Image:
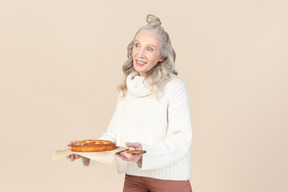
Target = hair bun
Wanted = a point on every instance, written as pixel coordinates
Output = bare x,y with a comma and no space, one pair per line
153,20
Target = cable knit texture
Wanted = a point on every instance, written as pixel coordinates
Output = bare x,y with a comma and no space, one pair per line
162,125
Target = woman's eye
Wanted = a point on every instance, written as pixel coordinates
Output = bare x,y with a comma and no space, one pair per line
136,45
150,49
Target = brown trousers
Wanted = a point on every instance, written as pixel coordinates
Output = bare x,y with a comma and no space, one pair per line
146,184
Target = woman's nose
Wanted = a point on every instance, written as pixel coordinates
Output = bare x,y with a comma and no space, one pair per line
141,53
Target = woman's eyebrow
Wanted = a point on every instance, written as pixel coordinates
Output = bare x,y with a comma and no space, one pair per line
145,44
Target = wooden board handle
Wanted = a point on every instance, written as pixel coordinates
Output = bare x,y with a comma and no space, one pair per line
134,152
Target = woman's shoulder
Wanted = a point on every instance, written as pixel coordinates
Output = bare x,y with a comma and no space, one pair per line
175,82
175,91
173,86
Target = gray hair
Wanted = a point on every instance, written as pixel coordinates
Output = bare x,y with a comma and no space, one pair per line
162,70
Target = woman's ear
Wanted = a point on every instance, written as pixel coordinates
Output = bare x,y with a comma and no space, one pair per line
161,59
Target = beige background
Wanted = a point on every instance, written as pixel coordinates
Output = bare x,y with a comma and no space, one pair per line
60,62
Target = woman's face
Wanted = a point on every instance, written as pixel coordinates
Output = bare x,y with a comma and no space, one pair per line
146,51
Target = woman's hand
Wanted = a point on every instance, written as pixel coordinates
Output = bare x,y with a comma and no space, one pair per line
72,157
130,157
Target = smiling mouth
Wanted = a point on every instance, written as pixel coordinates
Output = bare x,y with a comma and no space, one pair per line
141,63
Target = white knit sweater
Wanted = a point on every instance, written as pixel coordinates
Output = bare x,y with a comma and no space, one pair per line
162,126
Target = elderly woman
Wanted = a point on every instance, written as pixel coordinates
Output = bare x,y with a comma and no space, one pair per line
152,114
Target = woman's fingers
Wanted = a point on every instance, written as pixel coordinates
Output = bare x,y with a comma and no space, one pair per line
77,156
73,157
71,142
70,157
135,145
129,157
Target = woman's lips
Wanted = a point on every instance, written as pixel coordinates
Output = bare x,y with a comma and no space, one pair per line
140,63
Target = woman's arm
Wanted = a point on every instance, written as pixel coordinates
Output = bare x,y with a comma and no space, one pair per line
111,133
179,136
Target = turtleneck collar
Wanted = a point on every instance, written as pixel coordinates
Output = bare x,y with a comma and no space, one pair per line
136,85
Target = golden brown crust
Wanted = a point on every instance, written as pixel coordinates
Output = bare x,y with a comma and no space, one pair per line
93,146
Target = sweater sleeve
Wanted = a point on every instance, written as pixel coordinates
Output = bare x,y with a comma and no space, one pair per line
179,134
111,133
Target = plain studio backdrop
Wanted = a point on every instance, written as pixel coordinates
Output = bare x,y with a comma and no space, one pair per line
60,63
